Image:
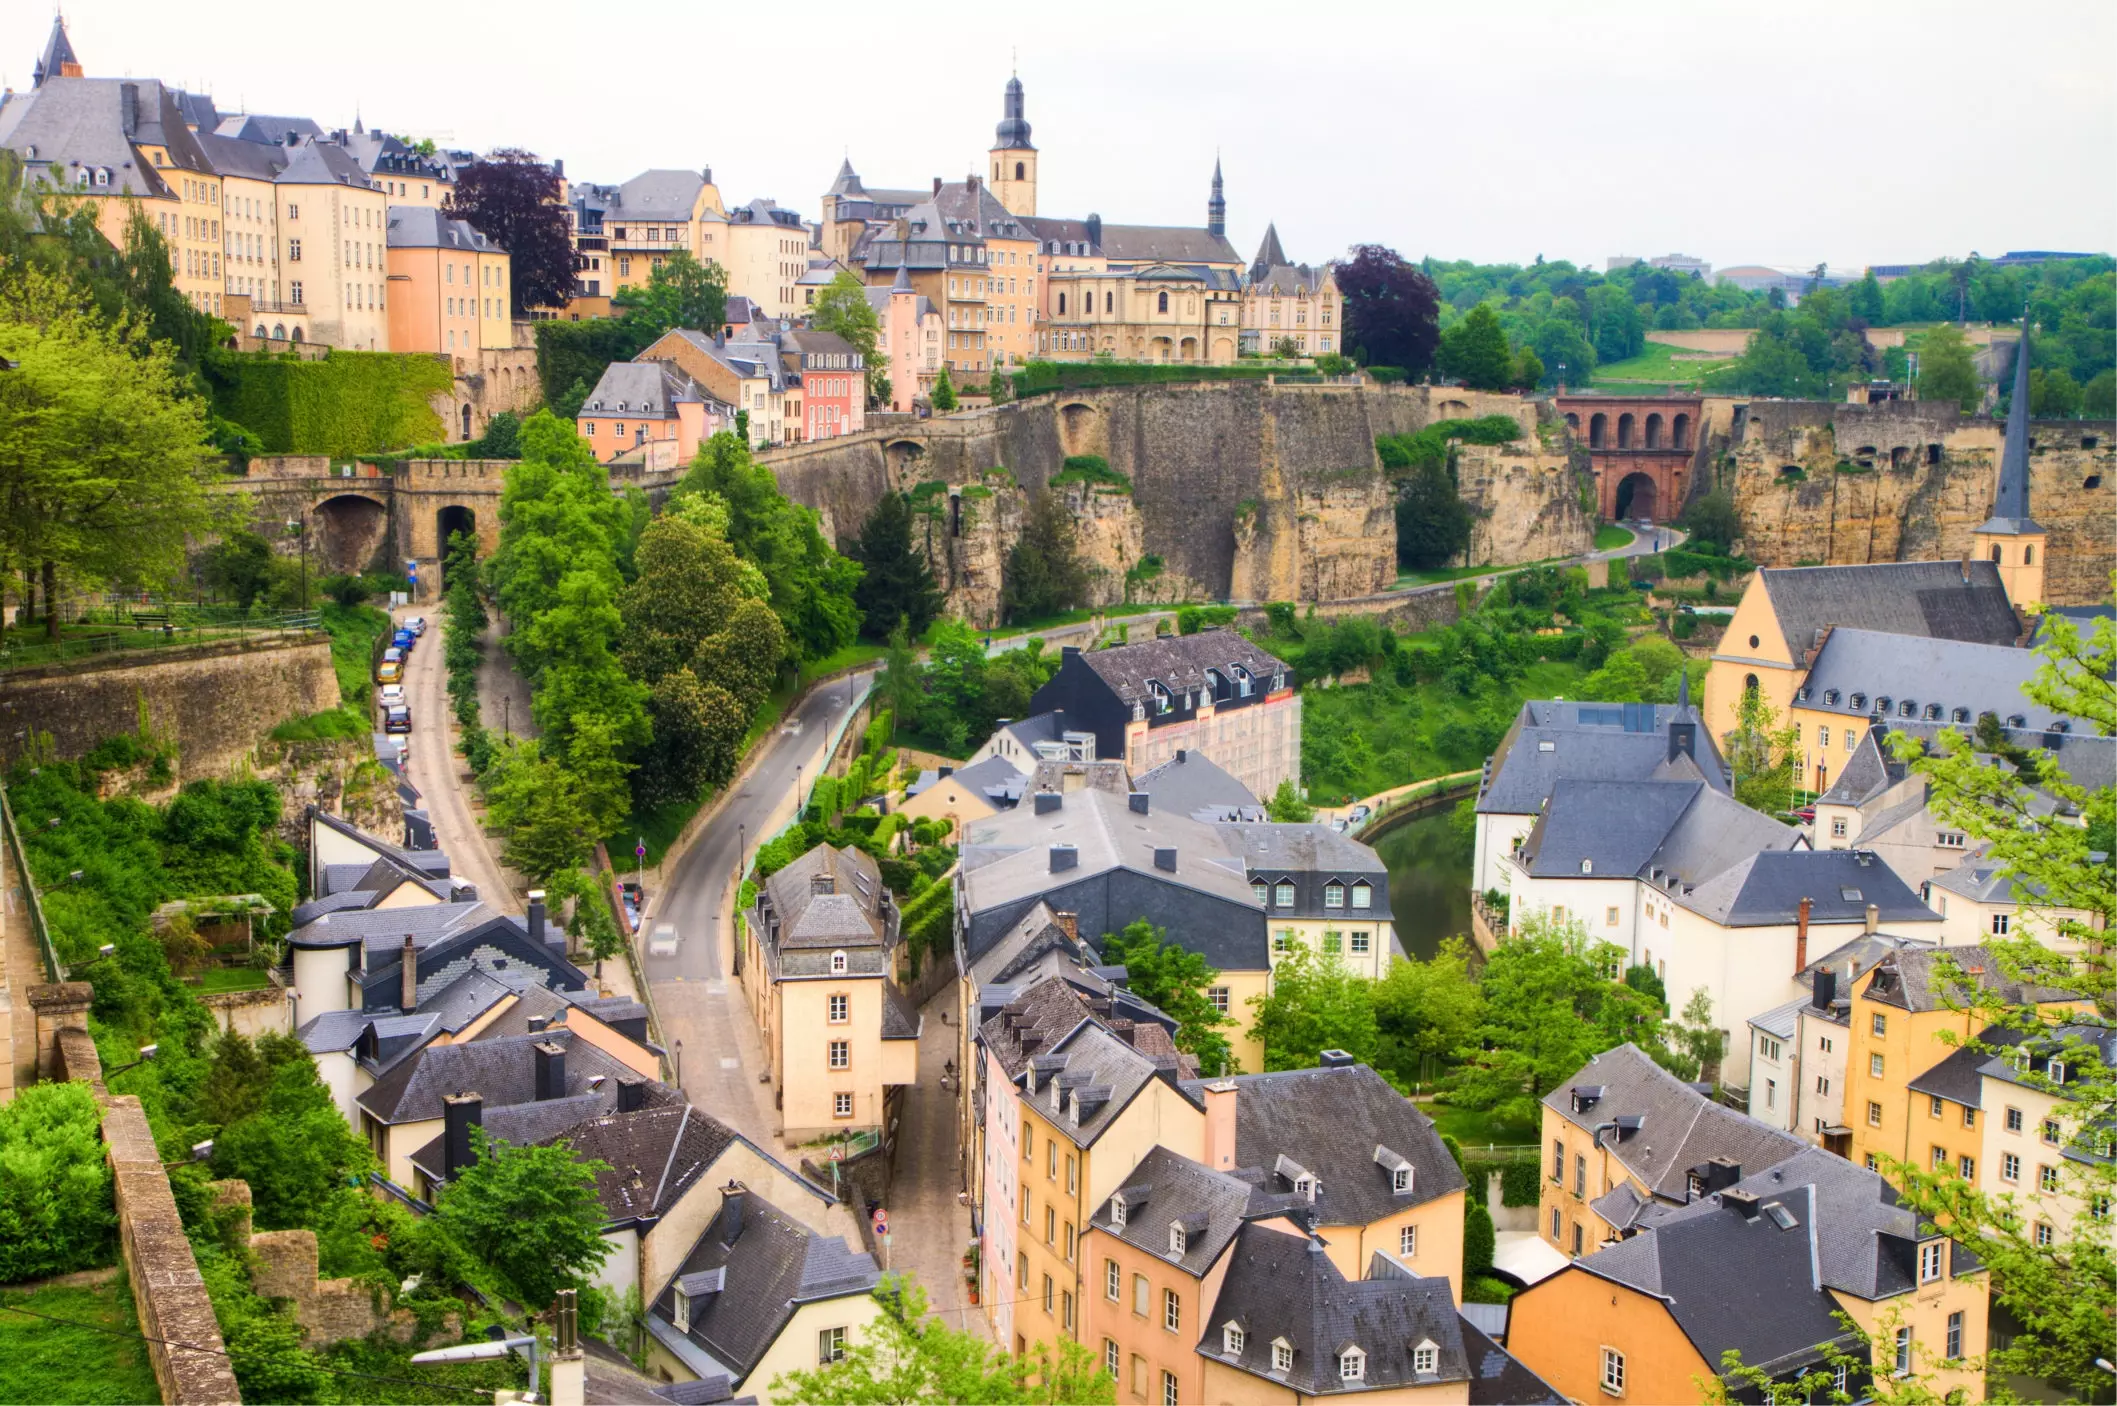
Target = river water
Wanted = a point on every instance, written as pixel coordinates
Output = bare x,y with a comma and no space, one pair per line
1429,882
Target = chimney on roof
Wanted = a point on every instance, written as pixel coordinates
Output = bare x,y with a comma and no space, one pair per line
1826,988
1683,737
1140,801
1874,918
536,917
1721,1173
1165,859
551,1070
1801,934
1220,1125
1068,923
129,108
943,773
459,1114
631,1093
1048,801
733,1199
1335,1059
538,1024
1095,232
823,883
937,186
1742,1203
971,184
1064,857
408,977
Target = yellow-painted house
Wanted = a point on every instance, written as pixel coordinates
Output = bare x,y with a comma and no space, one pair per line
1764,1267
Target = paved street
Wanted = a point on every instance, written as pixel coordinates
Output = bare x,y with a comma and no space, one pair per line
929,1223
441,776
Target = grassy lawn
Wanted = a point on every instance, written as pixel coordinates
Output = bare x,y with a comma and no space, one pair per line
1657,366
42,1361
1480,1128
214,979
343,721
1609,537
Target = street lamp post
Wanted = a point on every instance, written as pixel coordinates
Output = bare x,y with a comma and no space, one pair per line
679,1065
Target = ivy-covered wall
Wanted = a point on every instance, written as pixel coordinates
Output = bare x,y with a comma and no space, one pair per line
345,404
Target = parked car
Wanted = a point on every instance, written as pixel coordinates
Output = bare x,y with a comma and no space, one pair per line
1806,815
393,655
397,718
1359,813
389,671
662,942
415,623
391,693
403,640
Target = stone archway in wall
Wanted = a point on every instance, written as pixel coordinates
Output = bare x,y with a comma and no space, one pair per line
450,520
903,456
1637,496
346,532
1081,430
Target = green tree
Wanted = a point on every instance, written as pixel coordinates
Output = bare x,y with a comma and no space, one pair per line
908,1355
1176,981
529,1212
1044,574
842,307
2098,398
103,461
537,804
1425,1011
2062,1293
679,292
1433,522
1712,520
2053,393
1760,752
1286,806
293,1147
698,732
1475,350
56,1209
943,395
239,566
1528,370
1946,370
1316,1003
895,584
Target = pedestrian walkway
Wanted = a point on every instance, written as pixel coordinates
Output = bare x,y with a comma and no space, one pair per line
929,1221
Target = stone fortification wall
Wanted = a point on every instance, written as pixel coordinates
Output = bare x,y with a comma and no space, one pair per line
1817,482
215,701
1242,490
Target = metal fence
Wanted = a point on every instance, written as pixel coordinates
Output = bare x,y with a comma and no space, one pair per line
92,635
31,904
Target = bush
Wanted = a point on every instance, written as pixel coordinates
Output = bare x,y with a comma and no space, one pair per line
1521,1182
1479,1241
345,404
1040,376
1387,375
1190,619
56,1208
1093,470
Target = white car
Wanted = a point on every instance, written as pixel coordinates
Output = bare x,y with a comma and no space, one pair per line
1358,814
415,623
392,695
662,942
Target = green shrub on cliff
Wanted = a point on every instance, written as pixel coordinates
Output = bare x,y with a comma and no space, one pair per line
1093,470
345,404
56,1209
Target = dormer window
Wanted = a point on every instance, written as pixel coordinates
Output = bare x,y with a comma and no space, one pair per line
1363,894
1425,1359
1352,1365
1400,1180
1283,894
2058,1071
1305,1187
1587,866
1831,696
1334,894
1177,1239
1231,1339
683,1310
1117,1212
1282,1355
837,964
1261,889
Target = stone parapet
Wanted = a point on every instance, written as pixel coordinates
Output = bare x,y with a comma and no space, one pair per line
58,1005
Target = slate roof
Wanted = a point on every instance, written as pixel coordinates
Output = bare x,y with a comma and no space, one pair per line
1288,279
1282,1286
771,1263
656,195
1179,662
1205,901
503,1071
1958,1076
2066,1043
231,156
264,128
1958,678
519,1124
77,125
854,917
1095,1073
1766,890
420,227
1330,1121
1312,856
1167,1188
321,163
384,929
1269,253
642,389
59,52
1555,740
1938,599
333,1030
999,781
1931,979
654,1154
1680,1128
1191,783
1497,1378
1168,244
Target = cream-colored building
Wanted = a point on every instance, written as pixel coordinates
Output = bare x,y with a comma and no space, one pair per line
621,233
1148,312
819,957
765,250
448,285
1290,306
334,246
2035,1145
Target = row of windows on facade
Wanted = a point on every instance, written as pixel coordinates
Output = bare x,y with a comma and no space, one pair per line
1282,893
1903,707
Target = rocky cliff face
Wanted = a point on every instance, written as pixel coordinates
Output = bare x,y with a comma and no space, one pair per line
1816,483
1241,491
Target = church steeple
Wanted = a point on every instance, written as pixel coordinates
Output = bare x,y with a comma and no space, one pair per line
1014,156
2010,539
59,60
1217,207
1269,255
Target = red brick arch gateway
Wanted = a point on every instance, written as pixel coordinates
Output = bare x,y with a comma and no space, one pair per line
1641,448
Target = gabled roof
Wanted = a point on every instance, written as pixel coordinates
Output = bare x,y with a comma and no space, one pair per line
1557,740
1167,1188
1193,784
265,129
1937,599
421,227
503,1071
1766,889
1166,244
648,390
1284,1288
86,126
1093,1074
1179,662
657,195
1940,680
1959,1075
1497,1378
320,163
1331,1121
768,1264
1679,1127
828,898
1935,978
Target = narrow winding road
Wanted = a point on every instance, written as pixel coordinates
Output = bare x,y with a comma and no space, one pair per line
442,779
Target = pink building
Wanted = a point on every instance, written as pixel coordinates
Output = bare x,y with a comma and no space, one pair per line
833,385
909,337
650,408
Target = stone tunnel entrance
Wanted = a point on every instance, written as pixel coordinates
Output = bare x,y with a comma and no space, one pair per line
449,521
349,530
1638,497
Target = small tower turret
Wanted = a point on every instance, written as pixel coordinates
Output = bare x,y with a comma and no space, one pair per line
1217,207
2010,539
1014,156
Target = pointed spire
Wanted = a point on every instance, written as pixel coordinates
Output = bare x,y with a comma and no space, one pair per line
903,283
1217,206
1013,133
59,60
2010,502
1683,692
1269,255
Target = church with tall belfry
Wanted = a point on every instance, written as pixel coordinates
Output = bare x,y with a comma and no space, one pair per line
1013,285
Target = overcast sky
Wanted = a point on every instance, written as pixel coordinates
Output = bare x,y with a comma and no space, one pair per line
1787,133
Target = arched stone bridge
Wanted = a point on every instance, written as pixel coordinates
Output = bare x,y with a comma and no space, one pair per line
375,515
1642,448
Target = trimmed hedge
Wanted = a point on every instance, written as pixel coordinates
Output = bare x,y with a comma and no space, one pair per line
1040,376
348,403
1093,470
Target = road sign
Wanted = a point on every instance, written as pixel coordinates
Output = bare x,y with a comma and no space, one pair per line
882,1224
837,1152
640,849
